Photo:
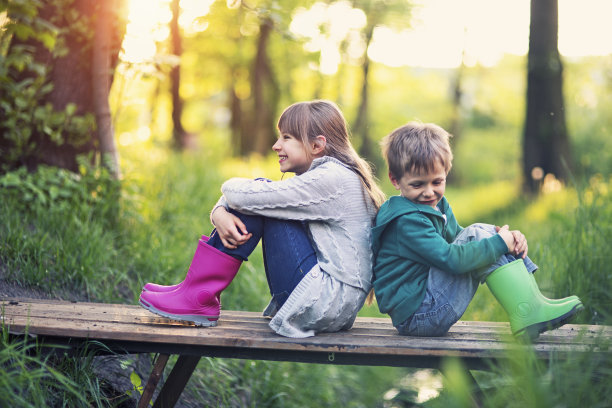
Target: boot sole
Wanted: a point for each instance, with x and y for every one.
(198, 320)
(530, 333)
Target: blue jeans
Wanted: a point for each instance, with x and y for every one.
(287, 252)
(447, 295)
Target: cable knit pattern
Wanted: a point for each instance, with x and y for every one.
(331, 198)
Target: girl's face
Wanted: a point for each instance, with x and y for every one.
(292, 155)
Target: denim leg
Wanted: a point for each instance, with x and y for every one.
(479, 231)
(287, 252)
(447, 296)
(288, 256)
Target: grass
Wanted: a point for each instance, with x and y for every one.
(29, 378)
(106, 253)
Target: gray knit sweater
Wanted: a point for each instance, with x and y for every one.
(332, 199)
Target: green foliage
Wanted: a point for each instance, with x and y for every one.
(587, 88)
(24, 84)
(577, 253)
(93, 193)
(27, 379)
(240, 383)
(522, 380)
(70, 222)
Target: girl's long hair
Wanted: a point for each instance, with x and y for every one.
(307, 120)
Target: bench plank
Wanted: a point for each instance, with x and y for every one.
(239, 334)
(131, 323)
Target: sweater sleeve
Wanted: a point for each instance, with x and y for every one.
(313, 195)
(421, 242)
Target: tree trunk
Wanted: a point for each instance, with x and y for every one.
(456, 122)
(101, 83)
(545, 140)
(81, 76)
(265, 94)
(361, 126)
(179, 135)
(236, 120)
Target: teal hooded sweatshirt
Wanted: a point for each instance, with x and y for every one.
(407, 240)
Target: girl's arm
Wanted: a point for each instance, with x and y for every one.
(314, 195)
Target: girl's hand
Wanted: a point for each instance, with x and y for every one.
(230, 228)
(507, 237)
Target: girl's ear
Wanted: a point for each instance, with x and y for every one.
(318, 146)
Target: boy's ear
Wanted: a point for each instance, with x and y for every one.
(318, 146)
(394, 181)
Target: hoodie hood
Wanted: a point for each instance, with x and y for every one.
(398, 206)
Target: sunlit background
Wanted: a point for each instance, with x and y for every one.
(443, 32)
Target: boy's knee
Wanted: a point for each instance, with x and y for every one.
(475, 232)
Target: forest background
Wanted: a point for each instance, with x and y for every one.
(120, 120)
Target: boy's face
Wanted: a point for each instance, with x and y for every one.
(422, 188)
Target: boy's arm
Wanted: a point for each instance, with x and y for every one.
(421, 242)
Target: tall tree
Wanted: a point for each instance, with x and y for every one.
(265, 92)
(77, 71)
(394, 13)
(545, 139)
(101, 80)
(179, 136)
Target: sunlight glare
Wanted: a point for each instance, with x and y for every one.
(584, 27)
(141, 135)
(442, 29)
(326, 27)
(487, 30)
(148, 24)
(192, 13)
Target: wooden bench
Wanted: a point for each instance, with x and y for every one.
(372, 341)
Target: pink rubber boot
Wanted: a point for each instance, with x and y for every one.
(197, 298)
(154, 287)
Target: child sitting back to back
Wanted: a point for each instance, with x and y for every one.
(427, 267)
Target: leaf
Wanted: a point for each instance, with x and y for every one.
(53, 192)
(10, 180)
(136, 381)
(70, 109)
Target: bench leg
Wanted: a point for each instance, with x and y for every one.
(156, 373)
(476, 393)
(174, 385)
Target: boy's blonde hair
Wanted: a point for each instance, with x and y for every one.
(307, 120)
(417, 148)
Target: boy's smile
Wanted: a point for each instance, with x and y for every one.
(422, 188)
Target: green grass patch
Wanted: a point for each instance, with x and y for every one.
(106, 251)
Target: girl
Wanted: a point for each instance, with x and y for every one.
(315, 229)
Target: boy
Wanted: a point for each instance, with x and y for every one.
(427, 268)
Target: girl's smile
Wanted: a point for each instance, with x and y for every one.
(292, 156)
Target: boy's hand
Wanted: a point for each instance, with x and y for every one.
(520, 242)
(507, 237)
(230, 228)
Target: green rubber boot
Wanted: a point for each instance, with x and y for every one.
(528, 313)
(552, 301)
